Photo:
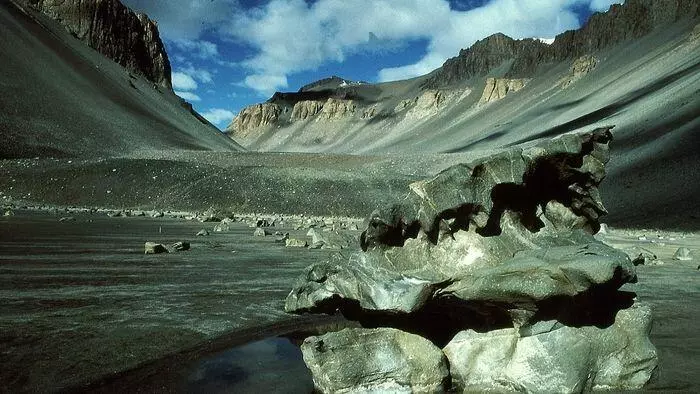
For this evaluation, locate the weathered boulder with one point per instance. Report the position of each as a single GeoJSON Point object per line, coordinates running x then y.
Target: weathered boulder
{"type": "Point", "coordinates": [640, 256]}
{"type": "Point", "coordinates": [551, 357]}
{"type": "Point", "coordinates": [202, 233]}
{"type": "Point", "coordinates": [180, 246]}
{"type": "Point", "coordinates": [327, 239]}
{"type": "Point", "coordinates": [154, 248]}
{"type": "Point", "coordinates": [683, 254]}
{"type": "Point", "coordinates": [472, 241]}
{"type": "Point", "coordinates": [384, 360]}
{"type": "Point", "coordinates": [500, 253]}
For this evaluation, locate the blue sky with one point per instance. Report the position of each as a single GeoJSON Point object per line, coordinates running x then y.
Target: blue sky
{"type": "Point", "coordinates": [227, 54]}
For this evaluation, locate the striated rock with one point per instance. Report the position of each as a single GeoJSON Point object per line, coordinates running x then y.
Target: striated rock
{"type": "Point", "coordinates": [385, 360]}
{"type": "Point", "coordinates": [253, 117]}
{"type": "Point", "coordinates": [109, 27]}
{"type": "Point", "coordinates": [531, 359]}
{"type": "Point", "coordinates": [337, 109]}
{"type": "Point", "coordinates": [497, 89]}
{"type": "Point", "coordinates": [305, 109]}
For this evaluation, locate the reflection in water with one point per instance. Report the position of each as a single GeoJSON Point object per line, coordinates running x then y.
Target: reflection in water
{"type": "Point", "coordinates": [273, 365]}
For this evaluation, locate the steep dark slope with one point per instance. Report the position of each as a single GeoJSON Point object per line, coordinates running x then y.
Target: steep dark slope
{"type": "Point", "coordinates": [61, 98]}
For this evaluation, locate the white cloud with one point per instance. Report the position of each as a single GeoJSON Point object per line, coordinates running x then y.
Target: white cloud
{"type": "Point", "coordinates": [218, 116]}
{"type": "Point", "coordinates": [189, 96]}
{"type": "Point", "coordinates": [264, 84]}
{"type": "Point", "coordinates": [200, 48]}
{"type": "Point", "coordinates": [290, 36]}
{"type": "Point", "coordinates": [182, 81]}
{"type": "Point", "coordinates": [198, 74]}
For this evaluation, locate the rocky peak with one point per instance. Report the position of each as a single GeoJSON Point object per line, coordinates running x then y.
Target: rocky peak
{"type": "Point", "coordinates": [111, 28]}
{"type": "Point", "coordinates": [633, 19]}
{"type": "Point", "coordinates": [334, 82]}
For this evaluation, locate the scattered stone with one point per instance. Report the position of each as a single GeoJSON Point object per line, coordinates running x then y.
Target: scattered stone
{"type": "Point", "coordinates": [139, 213]}
{"type": "Point", "coordinates": [155, 248]}
{"type": "Point", "coordinates": [157, 214]}
{"type": "Point", "coordinates": [67, 219]}
{"type": "Point", "coordinates": [9, 213]}
{"type": "Point", "coordinates": [222, 227]}
{"type": "Point", "coordinates": [384, 360]}
{"type": "Point", "coordinates": [683, 254]}
{"type": "Point", "coordinates": [640, 256]}
{"type": "Point", "coordinates": [295, 243]}
{"type": "Point", "coordinates": [603, 229]}
{"type": "Point", "coordinates": [202, 233]}
{"type": "Point", "coordinates": [282, 239]}
{"type": "Point", "coordinates": [260, 232]}
{"type": "Point", "coordinates": [180, 246]}
{"type": "Point", "coordinates": [115, 214]}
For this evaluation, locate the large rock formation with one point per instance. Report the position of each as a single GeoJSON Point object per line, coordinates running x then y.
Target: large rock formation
{"type": "Point", "coordinates": [109, 27]}
{"type": "Point", "coordinates": [503, 243]}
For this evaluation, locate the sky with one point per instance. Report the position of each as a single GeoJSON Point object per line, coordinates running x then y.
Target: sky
{"type": "Point", "coordinates": [228, 54]}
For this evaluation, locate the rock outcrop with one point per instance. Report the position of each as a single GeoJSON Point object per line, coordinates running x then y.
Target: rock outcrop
{"type": "Point", "coordinates": [497, 89]}
{"type": "Point", "coordinates": [255, 116]}
{"type": "Point", "coordinates": [305, 109]}
{"type": "Point", "coordinates": [337, 109]}
{"type": "Point", "coordinates": [579, 69]}
{"type": "Point", "coordinates": [500, 251]}
{"type": "Point", "coordinates": [130, 39]}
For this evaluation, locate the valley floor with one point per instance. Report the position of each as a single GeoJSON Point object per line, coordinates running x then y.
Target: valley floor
{"type": "Point", "coordinates": [80, 302]}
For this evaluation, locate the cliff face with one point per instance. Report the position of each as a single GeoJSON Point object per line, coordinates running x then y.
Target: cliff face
{"type": "Point", "coordinates": [109, 27]}
{"type": "Point", "coordinates": [633, 19]}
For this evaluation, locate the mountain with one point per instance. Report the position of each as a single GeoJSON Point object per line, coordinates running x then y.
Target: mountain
{"type": "Point", "coordinates": [60, 97]}
{"type": "Point", "coordinates": [498, 92]}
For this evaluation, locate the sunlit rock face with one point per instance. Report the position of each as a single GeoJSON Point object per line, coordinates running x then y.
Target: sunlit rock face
{"type": "Point", "coordinates": [130, 39]}
{"type": "Point", "coordinates": [497, 89]}
{"type": "Point", "coordinates": [503, 243]}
